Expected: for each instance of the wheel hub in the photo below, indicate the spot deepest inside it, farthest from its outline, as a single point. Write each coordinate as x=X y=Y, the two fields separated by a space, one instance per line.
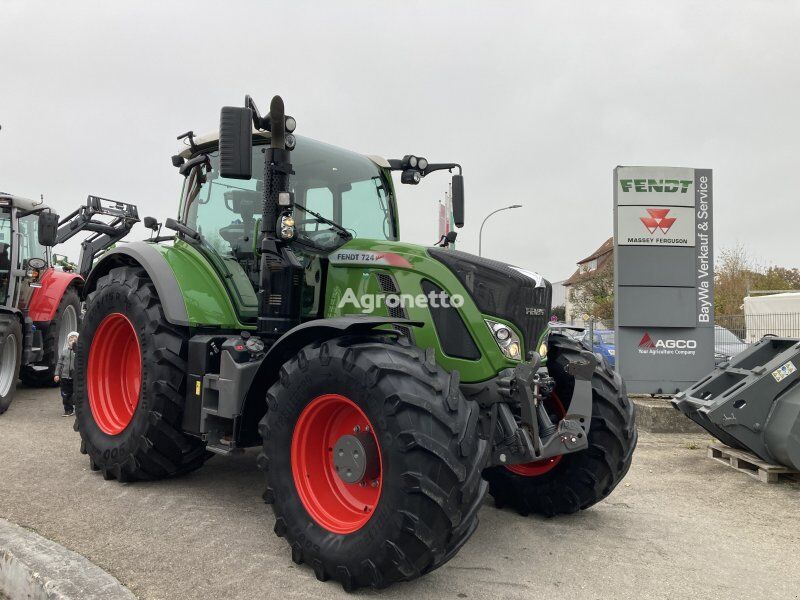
x=355 y=458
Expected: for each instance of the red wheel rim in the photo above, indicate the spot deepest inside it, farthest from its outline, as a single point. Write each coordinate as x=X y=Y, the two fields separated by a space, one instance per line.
x=540 y=467
x=114 y=377
x=334 y=505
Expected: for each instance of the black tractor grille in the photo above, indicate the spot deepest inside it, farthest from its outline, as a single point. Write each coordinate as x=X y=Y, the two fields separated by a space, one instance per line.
x=453 y=334
x=502 y=291
x=389 y=287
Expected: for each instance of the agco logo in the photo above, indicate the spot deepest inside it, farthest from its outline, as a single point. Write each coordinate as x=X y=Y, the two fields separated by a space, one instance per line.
x=658 y=219
x=648 y=345
x=669 y=186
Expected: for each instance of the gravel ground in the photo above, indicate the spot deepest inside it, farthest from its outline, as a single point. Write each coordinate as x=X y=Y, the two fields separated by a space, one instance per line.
x=679 y=526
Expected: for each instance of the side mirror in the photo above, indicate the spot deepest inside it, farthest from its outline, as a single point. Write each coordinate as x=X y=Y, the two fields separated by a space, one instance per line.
x=235 y=142
x=48 y=228
x=151 y=223
x=457 y=192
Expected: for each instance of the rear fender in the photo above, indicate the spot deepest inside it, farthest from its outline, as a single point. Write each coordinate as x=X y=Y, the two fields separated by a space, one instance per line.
x=45 y=300
x=192 y=293
x=158 y=270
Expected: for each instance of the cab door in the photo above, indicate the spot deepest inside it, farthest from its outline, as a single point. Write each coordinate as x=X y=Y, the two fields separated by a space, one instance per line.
x=6 y=246
x=28 y=247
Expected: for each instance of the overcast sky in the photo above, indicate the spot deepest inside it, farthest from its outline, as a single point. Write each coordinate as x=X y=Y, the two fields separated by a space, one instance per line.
x=537 y=100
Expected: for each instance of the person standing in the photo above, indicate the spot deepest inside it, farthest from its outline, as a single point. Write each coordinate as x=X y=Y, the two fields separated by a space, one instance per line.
x=64 y=371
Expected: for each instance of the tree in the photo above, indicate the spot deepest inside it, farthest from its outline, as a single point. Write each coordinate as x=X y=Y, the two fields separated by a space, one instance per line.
x=560 y=313
x=593 y=294
x=733 y=276
x=777 y=278
x=736 y=274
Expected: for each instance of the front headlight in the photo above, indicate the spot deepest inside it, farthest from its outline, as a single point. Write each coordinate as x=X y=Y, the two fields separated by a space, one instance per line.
x=543 y=350
x=506 y=339
x=611 y=352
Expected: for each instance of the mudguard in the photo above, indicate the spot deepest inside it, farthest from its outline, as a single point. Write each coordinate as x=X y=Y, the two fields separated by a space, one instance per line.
x=45 y=300
x=191 y=293
x=287 y=346
x=320 y=330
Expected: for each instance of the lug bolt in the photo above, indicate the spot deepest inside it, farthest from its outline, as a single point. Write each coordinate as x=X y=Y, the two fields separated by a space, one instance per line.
x=374 y=483
x=502 y=458
x=356 y=429
x=573 y=439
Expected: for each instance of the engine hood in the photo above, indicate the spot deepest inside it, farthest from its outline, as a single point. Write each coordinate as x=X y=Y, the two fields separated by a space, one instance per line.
x=502 y=290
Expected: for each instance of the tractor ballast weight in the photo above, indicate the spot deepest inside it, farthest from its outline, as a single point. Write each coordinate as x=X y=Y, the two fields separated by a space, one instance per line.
x=752 y=402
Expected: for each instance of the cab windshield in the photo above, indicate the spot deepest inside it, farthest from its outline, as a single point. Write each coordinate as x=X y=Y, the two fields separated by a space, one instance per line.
x=340 y=186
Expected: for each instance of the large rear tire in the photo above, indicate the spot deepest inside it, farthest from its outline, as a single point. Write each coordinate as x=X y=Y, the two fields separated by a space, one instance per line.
x=10 y=359
x=579 y=480
x=129 y=383
x=418 y=504
x=67 y=318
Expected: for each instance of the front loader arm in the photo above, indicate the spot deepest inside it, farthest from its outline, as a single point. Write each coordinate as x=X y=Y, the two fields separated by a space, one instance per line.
x=105 y=235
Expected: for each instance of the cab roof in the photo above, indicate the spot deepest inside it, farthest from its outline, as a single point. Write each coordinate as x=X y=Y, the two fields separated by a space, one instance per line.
x=23 y=203
x=212 y=138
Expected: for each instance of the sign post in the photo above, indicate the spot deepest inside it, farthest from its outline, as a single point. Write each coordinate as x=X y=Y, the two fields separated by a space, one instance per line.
x=663 y=277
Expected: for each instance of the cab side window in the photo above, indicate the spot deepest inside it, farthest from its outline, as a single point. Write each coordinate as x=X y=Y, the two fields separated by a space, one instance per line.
x=29 y=246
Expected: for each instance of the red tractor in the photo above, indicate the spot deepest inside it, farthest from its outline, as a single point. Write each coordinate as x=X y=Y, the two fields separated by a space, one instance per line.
x=40 y=304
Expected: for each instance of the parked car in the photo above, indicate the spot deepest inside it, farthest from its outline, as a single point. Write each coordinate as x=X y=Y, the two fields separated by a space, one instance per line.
x=604 y=344
x=726 y=345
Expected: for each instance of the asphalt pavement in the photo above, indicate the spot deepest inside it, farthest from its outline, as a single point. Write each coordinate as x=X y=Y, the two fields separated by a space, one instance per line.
x=679 y=526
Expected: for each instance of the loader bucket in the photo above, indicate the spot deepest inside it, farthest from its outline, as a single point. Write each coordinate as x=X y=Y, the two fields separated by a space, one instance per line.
x=753 y=401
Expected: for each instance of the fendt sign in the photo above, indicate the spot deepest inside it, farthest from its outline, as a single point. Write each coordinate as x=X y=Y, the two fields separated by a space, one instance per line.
x=663 y=274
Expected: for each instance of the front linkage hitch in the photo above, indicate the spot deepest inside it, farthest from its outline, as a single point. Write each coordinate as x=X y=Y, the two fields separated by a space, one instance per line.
x=519 y=423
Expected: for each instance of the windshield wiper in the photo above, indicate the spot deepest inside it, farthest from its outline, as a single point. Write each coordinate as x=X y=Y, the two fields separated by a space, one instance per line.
x=341 y=230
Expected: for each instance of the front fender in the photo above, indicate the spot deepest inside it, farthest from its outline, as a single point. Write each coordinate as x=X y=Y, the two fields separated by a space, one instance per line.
x=45 y=300
x=321 y=330
x=288 y=345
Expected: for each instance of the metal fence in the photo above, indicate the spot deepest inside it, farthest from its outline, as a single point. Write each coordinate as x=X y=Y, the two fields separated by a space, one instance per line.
x=748 y=329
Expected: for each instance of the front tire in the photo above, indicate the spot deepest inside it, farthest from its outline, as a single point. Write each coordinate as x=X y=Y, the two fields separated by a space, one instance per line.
x=579 y=480
x=67 y=319
x=418 y=503
x=130 y=382
x=10 y=359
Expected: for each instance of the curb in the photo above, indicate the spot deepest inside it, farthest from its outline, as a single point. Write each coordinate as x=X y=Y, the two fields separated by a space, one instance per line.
x=39 y=569
x=657 y=415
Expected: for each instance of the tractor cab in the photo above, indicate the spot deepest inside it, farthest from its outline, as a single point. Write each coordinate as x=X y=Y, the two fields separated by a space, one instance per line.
x=339 y=195
x=23 y=258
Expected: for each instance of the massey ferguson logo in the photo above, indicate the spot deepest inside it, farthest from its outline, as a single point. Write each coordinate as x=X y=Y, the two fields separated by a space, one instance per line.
x=658 y=219
x=668 y=346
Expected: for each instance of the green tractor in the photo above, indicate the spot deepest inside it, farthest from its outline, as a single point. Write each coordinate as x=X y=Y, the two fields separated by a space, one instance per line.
x=389 y=385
